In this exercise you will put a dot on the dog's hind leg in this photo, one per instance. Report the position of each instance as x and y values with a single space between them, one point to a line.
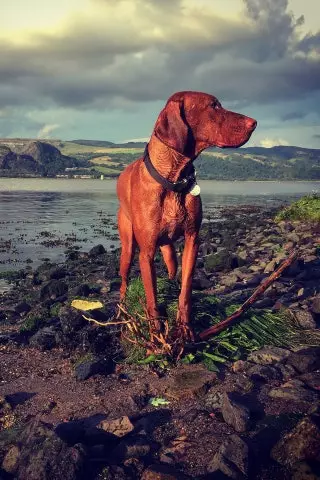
128 247
170 259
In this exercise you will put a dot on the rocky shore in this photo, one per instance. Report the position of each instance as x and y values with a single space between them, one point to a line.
72 406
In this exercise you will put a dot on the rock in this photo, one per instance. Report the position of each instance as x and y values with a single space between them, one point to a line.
22 307
200 281
241 366
56 273
92 366
71 320
82 290
213 400
229 280
119 427
234 413
44 339
264 373
53 290
11 460
44 456
294 391
293 237
222 260
315 307
312 380
96 251
190 381
136 446
269 355
231 458
271 266
305 360
303 318
162 472
302 443
7 417
303 471
287 371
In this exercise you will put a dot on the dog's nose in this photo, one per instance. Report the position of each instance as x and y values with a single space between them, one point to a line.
251 123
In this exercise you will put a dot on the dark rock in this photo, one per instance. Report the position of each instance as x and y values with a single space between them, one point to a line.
200 281
222 260
42 455
44 339
234 413
190 381
82 290
96 251
312 380
56 273
304 471
53 289
264 373
231 459
305 360
10 462
269 355
287 371
302 443
93 366
71 320
22 307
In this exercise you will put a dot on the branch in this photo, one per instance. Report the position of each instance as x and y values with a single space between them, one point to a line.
249 302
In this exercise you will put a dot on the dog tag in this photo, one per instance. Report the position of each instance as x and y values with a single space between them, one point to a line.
195 190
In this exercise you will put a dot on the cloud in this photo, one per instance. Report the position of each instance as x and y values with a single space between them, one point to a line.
296 115
46 130
272 142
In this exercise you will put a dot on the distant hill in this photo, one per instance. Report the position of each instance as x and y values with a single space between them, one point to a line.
51 157
36 159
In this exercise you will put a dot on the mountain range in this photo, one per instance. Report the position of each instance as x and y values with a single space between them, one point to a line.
29 157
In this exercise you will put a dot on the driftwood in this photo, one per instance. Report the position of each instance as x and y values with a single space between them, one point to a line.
250 301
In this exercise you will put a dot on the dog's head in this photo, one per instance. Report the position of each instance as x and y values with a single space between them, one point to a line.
193 121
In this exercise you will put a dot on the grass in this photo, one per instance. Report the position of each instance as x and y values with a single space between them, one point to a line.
258 328
306 208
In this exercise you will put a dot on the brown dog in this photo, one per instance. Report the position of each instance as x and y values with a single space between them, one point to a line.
156 205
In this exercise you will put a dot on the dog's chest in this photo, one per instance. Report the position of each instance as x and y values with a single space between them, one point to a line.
174 215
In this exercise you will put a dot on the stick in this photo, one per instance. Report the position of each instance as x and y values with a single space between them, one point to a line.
247 304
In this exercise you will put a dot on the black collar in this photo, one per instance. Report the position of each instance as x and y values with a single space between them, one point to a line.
187 174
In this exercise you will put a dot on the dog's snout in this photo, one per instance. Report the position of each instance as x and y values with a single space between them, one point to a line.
251 123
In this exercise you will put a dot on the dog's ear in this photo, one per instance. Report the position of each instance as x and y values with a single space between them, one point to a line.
171 127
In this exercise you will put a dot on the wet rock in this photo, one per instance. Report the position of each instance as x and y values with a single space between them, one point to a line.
190 381
264 373
96 251
269 355
92 366
234 413
303 318
302 443
231 459
305 360
53 290
118 427
162 472
44 339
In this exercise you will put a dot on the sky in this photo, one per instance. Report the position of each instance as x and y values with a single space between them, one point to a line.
103 69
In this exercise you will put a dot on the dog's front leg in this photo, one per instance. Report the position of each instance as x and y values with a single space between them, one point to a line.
148 273
184 307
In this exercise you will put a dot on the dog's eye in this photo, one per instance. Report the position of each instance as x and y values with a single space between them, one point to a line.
216 105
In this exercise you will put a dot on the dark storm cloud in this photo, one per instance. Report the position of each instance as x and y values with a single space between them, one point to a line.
260 60
293 115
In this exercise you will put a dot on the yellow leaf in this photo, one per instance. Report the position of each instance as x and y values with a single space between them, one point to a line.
85 305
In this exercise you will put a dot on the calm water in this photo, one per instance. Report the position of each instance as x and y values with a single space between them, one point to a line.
39 218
